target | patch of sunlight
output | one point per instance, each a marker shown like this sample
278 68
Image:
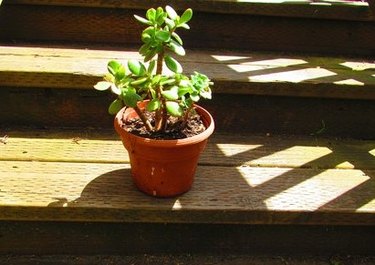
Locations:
295 156
235 149
177 205
349 82
265 64
294 76
317 191
372 152
368 207
359 66
224 58
346 165
255 176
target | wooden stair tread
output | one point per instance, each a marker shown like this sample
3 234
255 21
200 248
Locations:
233 72
51 176
348 10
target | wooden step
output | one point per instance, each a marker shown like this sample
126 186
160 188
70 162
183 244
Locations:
241 179
276 93
338 27
73 189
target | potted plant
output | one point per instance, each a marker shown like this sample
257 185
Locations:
157 118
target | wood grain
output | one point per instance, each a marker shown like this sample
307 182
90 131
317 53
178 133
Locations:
210 30
240 180
222 149
334 10
233 72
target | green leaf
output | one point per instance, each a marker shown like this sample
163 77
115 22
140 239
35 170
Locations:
173 64
115 106
174 109
167 81
170 23
186 16
171 94
116 69
139 81
194 97
131 98
177 38
206 93
163 35
160 16
136 67
171 13
143 20
184 25
115 90
151 66
149 54
102 85
151 14
144 48
153 105
184 90
177 48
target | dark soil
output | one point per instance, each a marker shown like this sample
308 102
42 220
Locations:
176 128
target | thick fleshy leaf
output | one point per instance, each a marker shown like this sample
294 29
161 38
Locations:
171 13
114 67
131 98
177 38
153 105
163 35
136 67
171 94
206 93
115 106
139 81
173 64
177 48
186 16
194 97
102 85
174 109
184 25
170 23
151 14
143 20
115 90
151 66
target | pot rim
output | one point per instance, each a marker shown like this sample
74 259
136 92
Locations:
205 115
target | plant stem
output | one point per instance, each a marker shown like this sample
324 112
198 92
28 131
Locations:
161 114
145 121
186 116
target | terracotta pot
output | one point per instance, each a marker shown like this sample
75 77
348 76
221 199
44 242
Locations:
163 168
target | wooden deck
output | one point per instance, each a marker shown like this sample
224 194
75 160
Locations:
242 179
233 72
65 181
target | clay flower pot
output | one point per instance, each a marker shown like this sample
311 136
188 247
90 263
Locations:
163 168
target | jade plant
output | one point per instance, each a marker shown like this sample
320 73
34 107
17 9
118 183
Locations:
169 92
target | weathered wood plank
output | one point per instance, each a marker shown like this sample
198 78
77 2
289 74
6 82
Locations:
236 72
248 195
223 149
39 23
348 10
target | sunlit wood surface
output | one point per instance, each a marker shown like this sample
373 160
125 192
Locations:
232 72
249 179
